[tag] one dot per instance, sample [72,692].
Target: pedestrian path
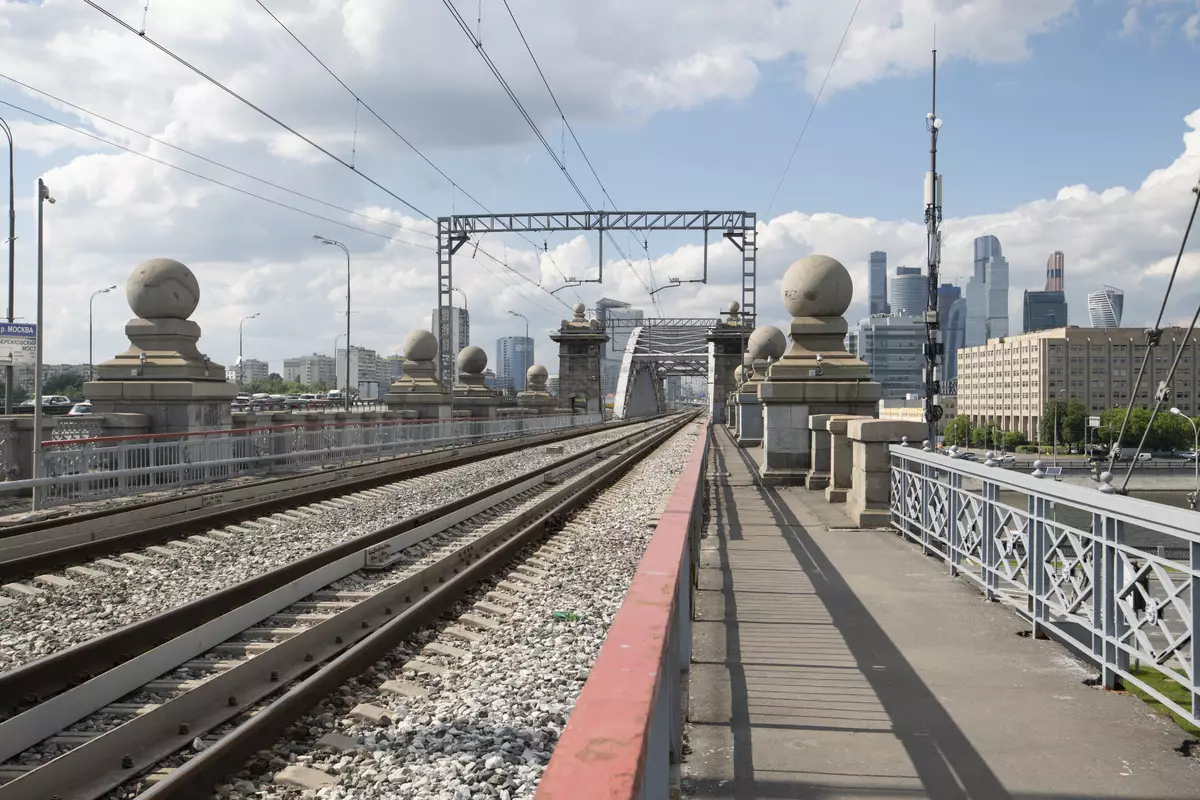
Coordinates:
[837,663]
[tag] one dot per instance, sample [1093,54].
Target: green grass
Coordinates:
[1166,687]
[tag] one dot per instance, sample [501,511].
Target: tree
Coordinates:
[956,431]
[1013,439]
[69,384]
[1070,418]
[1169,430]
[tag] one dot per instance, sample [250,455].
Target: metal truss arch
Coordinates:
[659,348]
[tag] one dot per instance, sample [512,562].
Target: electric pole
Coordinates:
[933,218]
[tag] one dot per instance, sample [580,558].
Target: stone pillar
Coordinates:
[765,345]
[580,352]
[871,474]
[163,375]
[816,376]
[471,393]
[535,398]
[818,476]
[419,390]
[726,342]
[840,458]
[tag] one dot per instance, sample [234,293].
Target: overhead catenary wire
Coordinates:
[208,160]
[455,187]
[812,110]
[237,189]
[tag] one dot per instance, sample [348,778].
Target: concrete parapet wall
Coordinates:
[870,473]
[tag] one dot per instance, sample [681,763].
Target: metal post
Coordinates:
[91,302]
[12,263]
[43,195]
[345,250]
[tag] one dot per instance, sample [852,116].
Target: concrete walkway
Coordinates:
[833,663]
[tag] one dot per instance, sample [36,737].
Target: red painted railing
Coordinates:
[625,730]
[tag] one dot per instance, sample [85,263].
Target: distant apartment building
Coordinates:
[878,282]
[23,373]
[1105,307]
[248,371]
[460,329]
[310,370]
[365,367]
[892,345]
[1009,381]
[393,368]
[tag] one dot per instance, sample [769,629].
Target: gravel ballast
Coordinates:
[489,724]
[37,626]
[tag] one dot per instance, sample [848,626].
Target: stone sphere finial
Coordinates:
[739,374]
[580,312]
[472,360]
[766,341]
[817,286]
[162,288]
[734,308]
[536,373]
[420,345]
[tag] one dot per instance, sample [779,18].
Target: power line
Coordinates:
[361,102]
[206,159]
[812,110]
[186,171]
[167,51]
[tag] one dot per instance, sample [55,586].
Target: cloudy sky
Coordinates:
[1069,124]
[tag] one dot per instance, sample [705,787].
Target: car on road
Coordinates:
[968,456]
[1007,459]
[80,409]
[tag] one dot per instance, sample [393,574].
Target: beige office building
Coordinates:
[1009,380]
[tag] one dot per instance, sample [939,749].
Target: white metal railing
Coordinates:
[96,468]
[1114,577]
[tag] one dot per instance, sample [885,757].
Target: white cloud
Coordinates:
[1163,17]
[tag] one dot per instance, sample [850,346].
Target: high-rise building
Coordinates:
[991,268]
[893,347]
[975,330]
[952,321]
[1044,310]
[247,371]
[460,329]
[851,342]
[365,367]
[612,311]
[1009,382]
[878,282]
[908,292]
[393,368]
[514,357]
[310,370]
[1054,272]
[1105,307]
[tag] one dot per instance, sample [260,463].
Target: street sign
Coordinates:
[1093,422]
[18,343]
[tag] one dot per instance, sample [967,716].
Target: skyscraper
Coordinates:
[1054,272]
[975,330]
[952,320]
[460,329]
[908,292]
[1105,307]
[992,269]
[878,282]
[514,357]
[1044,310]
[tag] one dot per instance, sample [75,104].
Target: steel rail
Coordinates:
[32,683]
[101,764]
[214,512]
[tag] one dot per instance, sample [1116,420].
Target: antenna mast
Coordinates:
[933,218]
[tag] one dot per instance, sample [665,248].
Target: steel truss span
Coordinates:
[655,350]
[739,227]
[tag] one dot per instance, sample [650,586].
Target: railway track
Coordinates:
[272,649]
[51,543]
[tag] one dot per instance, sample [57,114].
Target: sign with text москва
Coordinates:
[18,343]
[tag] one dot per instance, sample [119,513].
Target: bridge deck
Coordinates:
[844,664]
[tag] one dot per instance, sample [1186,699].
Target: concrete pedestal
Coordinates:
[172,406]
[787,407]
[540,403]
[840,458]
[726,343]
[475,406]
[749,418]
[580,352]
[419,390]
[818,476]
[871,473]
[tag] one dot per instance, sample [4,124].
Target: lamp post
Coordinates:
[12,262]
[1195,498]
[1056,395]
[91,304]
[43,195]
[528,356]
[345,250]
[241,366]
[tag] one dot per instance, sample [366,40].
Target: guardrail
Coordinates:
[1093,569]
[627,726]
[103,467]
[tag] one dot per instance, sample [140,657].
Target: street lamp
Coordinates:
[12,262]
[345,250]
[1056,395]
[464,296]
[1195,454]
[91,303]
[43,196]
[241,366]
[528,356]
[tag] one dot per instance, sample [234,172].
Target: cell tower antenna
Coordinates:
[933,219]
